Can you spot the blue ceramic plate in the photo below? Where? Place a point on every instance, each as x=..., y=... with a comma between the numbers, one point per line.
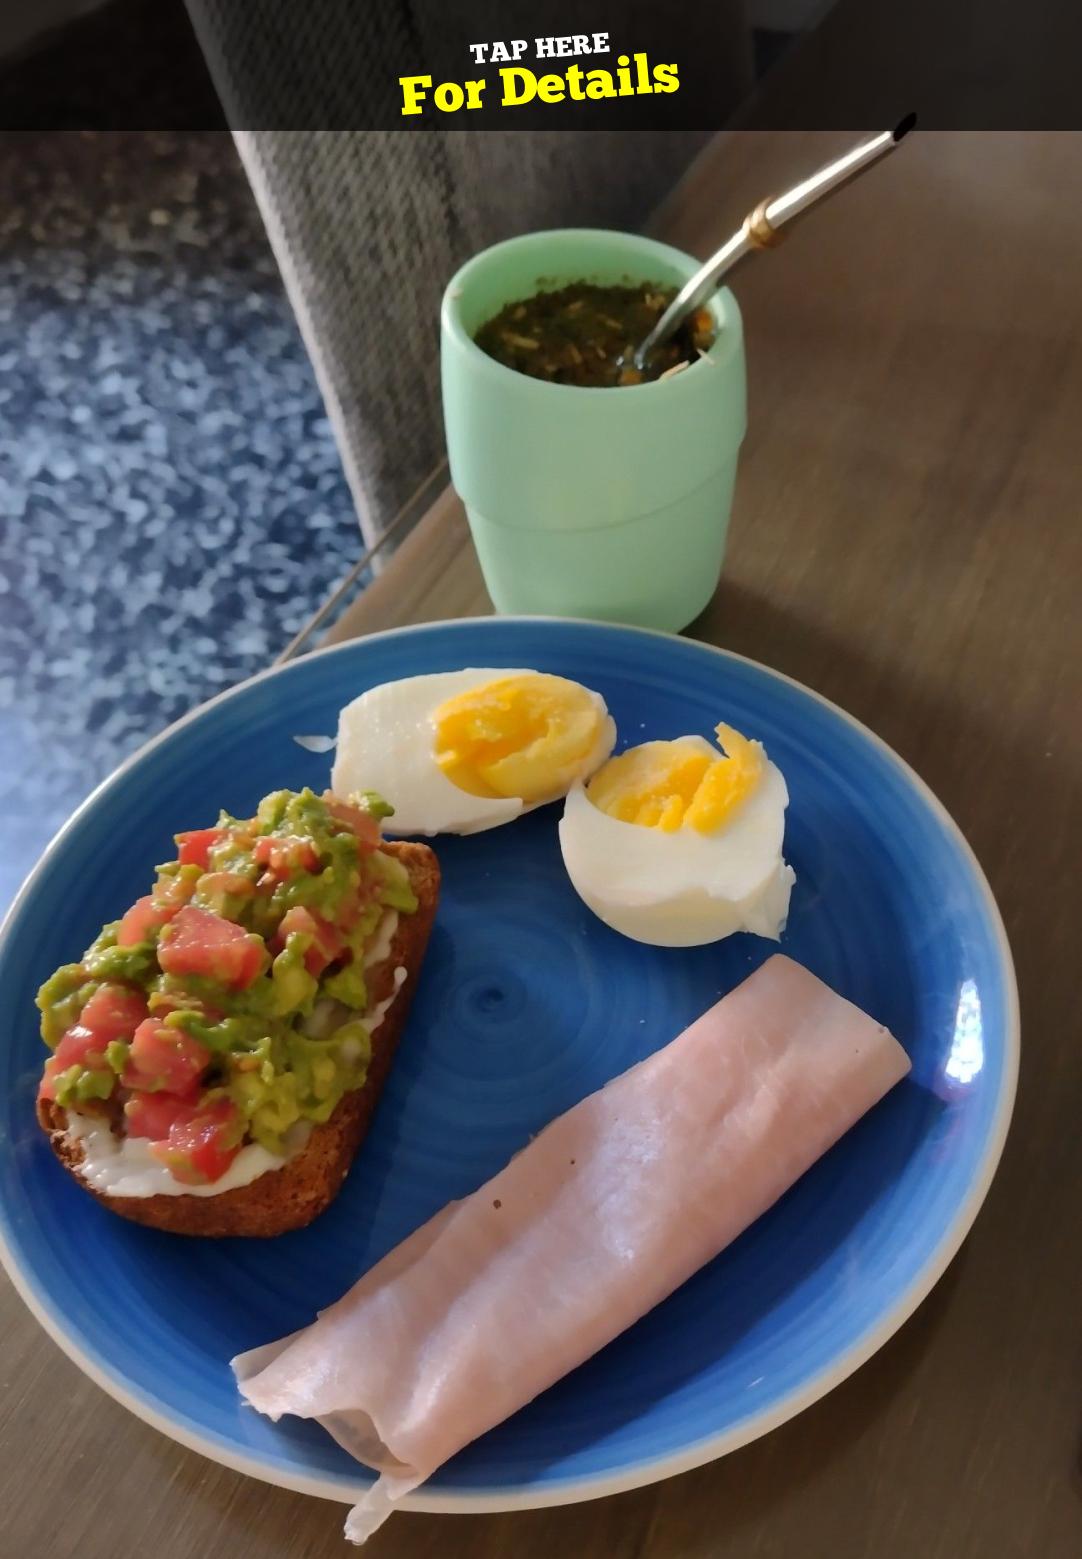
x=526, y=1004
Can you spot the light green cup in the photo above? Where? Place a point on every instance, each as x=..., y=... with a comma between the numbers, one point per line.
x=605, y=503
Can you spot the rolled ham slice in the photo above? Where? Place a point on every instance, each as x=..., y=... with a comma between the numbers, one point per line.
x=606, y=1212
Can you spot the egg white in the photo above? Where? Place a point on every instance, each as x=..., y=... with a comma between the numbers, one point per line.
x=386, y=742
x=684, y=888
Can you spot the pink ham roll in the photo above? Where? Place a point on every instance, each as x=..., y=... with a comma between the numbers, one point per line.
x=606, y=1212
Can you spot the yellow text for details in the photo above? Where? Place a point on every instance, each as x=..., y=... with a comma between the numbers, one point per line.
x=632, y=77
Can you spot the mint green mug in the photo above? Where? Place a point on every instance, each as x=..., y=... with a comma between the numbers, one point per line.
x=608, y=503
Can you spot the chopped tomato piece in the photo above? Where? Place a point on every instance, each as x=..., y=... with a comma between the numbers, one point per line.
x=146, y=916
x=79, y=1047
x=153, y=1115
x=199, y=942
x=200, y=1147
x=113, y=1012
x=326, y=944
x=286, y=855
x=360, y=823
x=193, y=847
x=164, y=1059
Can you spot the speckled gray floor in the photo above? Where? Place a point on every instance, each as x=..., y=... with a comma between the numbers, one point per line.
x=172, y=507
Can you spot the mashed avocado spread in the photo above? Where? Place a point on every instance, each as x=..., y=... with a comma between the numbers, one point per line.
x=228, y=1004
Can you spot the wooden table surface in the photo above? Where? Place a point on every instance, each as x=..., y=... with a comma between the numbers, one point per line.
x=906, y=540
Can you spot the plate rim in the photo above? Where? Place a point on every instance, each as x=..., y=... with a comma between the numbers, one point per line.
x=711, y=1447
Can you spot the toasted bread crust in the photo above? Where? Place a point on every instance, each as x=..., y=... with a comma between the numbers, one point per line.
x=290, y=1197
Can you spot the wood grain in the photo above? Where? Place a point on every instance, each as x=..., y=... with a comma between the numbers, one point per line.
x=906, y=540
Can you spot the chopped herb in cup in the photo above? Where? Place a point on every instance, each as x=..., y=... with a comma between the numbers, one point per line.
x=585, y=334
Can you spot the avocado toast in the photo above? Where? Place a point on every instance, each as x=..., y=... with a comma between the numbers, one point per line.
x=218, y=1052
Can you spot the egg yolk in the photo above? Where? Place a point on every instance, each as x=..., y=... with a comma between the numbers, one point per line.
x=671, y=785
x=527, y=736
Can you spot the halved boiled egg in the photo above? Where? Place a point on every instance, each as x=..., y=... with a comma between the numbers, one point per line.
x=460, y=751
x=676, y=844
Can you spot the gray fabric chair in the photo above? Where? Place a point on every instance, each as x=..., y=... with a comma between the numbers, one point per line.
x=368, y=225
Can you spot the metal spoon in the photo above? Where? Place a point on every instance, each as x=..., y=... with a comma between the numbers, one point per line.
x=763, y=228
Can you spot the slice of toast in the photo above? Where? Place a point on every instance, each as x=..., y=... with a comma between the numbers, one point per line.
x=290, y=1197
